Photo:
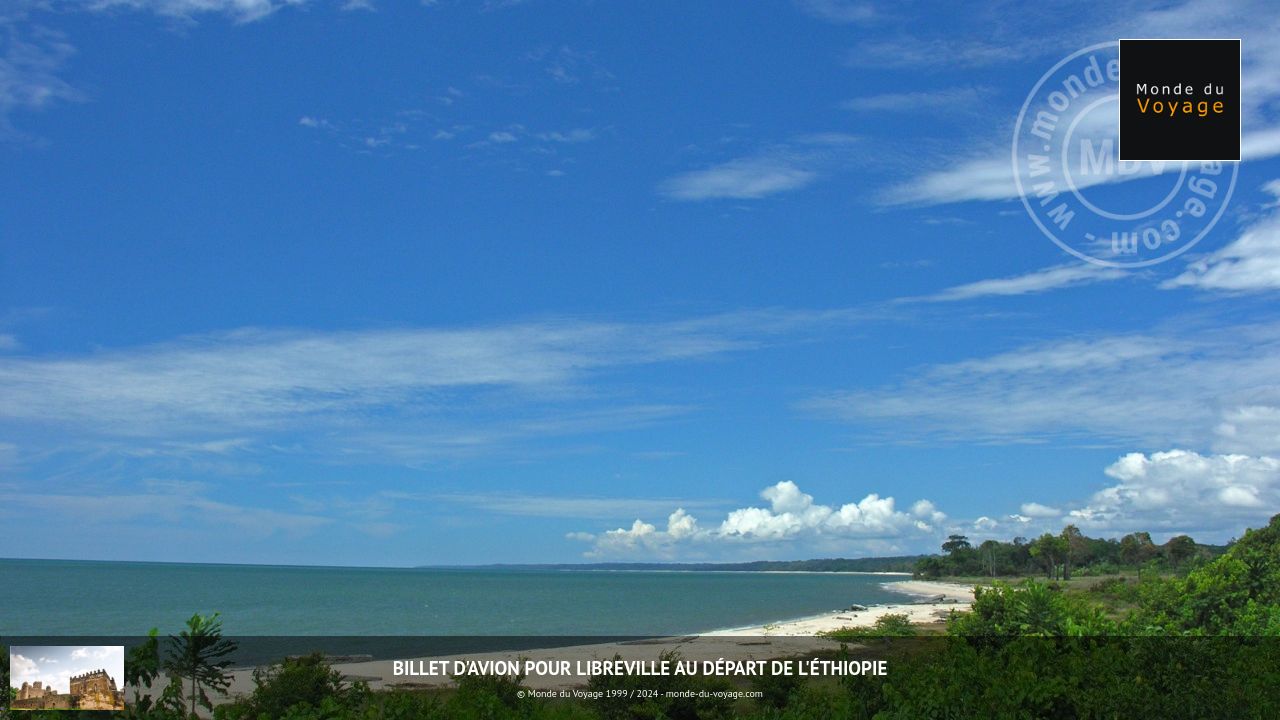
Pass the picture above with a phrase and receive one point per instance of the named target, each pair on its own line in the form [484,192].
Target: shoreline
[953,596]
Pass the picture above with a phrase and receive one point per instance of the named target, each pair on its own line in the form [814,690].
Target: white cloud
[791,514]
[789,166]
[838,11]
[30,59]
[949,99]
[239,10]
[1200,386]
[1036,510]
[416,394]
[576,135]
[1050,278]
[1184,491]
[952,52]
[318,123]
[561,506]
[988,177]
[21,668]
[502,136]
[744,178]
[174,504]
[1249,263]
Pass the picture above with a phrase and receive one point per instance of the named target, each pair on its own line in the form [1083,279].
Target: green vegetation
[1060,556]
[886,626]
[198,656]
[9,692]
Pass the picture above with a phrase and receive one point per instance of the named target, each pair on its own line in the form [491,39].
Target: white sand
[955,597]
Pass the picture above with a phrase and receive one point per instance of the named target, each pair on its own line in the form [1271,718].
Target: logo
[1107,211]
[1180,99]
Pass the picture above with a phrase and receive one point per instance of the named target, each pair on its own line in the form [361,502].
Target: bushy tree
[198,655]
[1236,594]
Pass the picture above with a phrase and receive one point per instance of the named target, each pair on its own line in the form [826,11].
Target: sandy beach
[947,597]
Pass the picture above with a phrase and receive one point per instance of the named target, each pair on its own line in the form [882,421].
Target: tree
[929,567]
[141,668]
[956,544]
[988,550]
[1180,548]
[1136,548]
[1048,549]
[198,655]
[1074,546]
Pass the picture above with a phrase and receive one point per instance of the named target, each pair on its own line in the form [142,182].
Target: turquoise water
[44,597]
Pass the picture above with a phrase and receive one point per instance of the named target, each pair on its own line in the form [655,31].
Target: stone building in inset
[91,691]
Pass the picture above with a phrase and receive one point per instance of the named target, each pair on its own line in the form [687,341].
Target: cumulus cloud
[1036,510]
[1184,491]
[21,666]
[984,524]
[791,514]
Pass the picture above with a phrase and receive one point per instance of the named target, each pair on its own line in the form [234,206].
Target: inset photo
[67,677]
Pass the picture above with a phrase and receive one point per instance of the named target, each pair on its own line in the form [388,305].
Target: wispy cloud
[952,100]
[915,52]
[779,169]
[565,65]
[31,56]
[238,10]
[988,174]
[1248,264]
[1216,387]
[433,387]
[173,504]
[838,11]
[1038,281]
[743,178]
[562,506]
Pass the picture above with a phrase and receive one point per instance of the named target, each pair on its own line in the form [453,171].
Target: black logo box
[1180,65]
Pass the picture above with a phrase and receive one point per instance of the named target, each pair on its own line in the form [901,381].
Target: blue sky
[461,282]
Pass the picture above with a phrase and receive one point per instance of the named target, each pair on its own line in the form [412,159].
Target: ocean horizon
[82,597]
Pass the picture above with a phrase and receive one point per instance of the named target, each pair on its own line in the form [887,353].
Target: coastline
[946,598]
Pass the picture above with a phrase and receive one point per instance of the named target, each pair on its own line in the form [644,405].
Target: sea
[59,598]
